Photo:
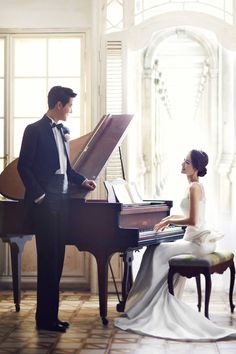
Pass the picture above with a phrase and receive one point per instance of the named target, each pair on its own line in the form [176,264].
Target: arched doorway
[179,110]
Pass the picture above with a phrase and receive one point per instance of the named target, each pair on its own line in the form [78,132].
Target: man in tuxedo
[45,170]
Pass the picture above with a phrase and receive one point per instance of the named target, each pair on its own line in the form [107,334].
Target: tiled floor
[87,335]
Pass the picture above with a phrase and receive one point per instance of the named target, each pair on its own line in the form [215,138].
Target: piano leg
[127,279]
[16,247]
[102,266]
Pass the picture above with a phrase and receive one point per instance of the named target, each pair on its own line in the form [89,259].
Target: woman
[150,308]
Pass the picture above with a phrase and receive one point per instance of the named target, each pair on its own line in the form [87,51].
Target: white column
[148,132]
[226,187]
[226,131]
[232,175]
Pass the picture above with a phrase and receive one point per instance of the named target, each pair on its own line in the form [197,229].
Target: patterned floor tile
[87,335]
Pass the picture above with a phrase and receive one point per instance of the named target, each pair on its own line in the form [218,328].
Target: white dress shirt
[62,155]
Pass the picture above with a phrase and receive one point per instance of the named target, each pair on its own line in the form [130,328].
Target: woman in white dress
[150,308]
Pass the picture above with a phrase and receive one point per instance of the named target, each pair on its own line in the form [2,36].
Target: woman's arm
[195,195]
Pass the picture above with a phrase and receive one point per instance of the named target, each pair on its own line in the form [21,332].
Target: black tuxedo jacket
[39,159]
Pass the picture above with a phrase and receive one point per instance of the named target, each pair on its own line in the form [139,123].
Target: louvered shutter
[114,99]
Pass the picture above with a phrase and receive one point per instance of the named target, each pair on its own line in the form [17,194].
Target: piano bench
[190,266]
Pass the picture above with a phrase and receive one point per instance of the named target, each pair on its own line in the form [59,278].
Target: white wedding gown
[151,309]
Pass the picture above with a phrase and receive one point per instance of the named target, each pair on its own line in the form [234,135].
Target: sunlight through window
[39,64]
[182,72]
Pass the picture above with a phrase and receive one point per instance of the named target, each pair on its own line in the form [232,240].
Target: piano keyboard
[171,233]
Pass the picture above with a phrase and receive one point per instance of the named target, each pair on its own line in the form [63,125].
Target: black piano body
[98,227]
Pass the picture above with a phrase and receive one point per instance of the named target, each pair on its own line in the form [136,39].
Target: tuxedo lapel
[49,138]
[66,145]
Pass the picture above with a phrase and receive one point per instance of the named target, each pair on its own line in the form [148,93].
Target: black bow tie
[59,126]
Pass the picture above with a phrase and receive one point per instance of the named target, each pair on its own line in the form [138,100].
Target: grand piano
[101,227]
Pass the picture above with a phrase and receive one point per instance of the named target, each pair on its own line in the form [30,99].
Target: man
[46,171]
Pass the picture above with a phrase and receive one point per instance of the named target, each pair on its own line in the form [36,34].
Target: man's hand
[89,184]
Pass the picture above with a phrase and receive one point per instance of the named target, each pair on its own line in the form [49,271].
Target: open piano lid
[88,155]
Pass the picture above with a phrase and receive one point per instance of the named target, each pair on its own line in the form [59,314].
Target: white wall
[45,13]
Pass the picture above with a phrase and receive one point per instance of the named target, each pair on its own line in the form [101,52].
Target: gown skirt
[152,310]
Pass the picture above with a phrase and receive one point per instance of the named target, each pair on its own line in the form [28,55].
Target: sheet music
[122,193]
[126,193]
[134,193]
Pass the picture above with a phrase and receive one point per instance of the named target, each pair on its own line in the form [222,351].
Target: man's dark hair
[59,94]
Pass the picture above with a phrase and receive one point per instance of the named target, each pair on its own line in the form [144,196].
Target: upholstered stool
[189,266]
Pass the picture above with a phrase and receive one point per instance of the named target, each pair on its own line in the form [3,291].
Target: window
[114,16]
[222,9]
[38,63]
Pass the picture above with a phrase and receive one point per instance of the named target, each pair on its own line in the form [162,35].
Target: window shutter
[114,98]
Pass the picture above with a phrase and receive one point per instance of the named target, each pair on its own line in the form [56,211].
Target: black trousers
[50,221]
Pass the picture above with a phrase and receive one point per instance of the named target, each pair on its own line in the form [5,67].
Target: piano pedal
[120,307]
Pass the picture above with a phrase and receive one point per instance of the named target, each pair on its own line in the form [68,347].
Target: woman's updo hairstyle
[199,161]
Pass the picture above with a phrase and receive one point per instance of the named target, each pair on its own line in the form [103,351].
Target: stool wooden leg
[207,292]
[170,281]
[199,291]
[231,288]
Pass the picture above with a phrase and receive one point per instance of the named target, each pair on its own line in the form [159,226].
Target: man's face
[64,111]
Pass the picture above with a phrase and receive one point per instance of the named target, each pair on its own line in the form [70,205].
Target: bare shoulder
[195,188]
